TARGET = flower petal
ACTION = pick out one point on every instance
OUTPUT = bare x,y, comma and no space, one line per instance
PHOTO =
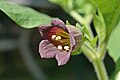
44,29
72,42
47,49
77,34
59,23
62,58
74,31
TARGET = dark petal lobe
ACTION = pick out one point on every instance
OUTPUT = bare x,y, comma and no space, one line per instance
44,29
76,33
72,42
59,23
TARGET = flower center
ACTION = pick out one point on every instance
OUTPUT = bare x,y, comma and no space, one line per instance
59,38
66,48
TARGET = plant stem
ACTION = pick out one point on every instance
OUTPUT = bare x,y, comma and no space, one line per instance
82,21
96,61
77,17
102,50
100,69
88,51
95,58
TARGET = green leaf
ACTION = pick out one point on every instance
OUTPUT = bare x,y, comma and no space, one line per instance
117,77
100,27
114,49
114,43
116,72
111,12
24,16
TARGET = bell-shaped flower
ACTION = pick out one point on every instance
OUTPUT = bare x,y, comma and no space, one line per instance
59,41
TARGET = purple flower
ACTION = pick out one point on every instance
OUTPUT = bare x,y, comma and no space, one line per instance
59,41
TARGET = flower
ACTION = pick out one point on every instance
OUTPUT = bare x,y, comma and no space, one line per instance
59,41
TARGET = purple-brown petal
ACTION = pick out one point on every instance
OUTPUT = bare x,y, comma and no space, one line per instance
44,30
76,33
47,49
59,23
72,42
62,58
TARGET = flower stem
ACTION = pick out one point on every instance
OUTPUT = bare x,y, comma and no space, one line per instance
96,61
77,17
102,50
100,69
88,51
81,21
95,57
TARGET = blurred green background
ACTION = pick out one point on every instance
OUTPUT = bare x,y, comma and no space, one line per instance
19,56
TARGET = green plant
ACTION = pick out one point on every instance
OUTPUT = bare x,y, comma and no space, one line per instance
105,15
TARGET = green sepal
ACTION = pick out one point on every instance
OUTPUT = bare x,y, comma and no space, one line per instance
67,22
93,42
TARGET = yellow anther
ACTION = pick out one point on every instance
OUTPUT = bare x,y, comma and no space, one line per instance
66,48
59,47
53,36
58,38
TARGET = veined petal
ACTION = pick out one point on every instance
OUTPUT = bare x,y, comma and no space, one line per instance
44,30
47,49
62,58
59,41
72,41
77,34
74,31
59,23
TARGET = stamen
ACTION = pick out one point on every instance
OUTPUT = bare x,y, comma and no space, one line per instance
59,47
53,36
58,38
61,41
66,48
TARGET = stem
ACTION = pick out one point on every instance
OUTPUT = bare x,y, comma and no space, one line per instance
77,17
95,58
88,51
96,61
102,50
82,21
100,69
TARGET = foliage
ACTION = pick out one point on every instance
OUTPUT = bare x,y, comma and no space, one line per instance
114,48
110,10
100,26
105,19
113,44
24,16
105,15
